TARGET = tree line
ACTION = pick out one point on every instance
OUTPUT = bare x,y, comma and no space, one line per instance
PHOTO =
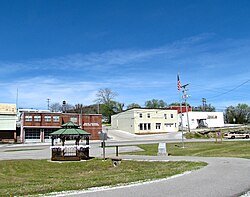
106,105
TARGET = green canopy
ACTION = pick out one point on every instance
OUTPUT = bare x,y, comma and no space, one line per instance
70,129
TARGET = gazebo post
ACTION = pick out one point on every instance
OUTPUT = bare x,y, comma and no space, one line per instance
63,140
52,141
87,140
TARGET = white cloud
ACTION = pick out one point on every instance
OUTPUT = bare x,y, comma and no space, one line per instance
210,66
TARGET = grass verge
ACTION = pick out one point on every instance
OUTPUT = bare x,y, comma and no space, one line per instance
203,149
26,177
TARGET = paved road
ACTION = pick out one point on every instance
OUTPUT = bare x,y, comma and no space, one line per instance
222,177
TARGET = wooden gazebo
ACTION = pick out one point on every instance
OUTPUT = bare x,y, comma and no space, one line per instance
76,152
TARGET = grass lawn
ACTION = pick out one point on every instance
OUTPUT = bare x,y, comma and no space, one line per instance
203,149
24,177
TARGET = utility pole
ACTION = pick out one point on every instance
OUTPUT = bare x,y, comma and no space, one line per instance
185,99
48,102
204,104
179,89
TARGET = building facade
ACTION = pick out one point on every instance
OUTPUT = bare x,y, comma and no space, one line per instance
182,109
8,123
146,121
36,126
202,119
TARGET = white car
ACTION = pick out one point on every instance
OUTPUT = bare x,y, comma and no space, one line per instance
236,134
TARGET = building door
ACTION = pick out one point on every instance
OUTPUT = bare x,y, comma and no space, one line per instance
169,127
202,123
32,135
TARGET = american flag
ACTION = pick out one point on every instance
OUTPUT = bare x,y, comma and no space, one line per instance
178,82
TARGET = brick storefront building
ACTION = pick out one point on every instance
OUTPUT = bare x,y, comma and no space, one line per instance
37,126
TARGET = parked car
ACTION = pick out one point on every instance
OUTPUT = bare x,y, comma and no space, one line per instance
236,134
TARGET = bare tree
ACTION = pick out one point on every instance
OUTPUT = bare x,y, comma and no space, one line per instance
108,105
105,96
56,107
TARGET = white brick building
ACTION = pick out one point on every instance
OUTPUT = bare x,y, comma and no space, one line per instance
146,121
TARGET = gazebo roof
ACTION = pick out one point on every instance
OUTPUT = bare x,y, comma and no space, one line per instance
70,129
70,125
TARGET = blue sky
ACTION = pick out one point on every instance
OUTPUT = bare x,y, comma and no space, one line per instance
68,50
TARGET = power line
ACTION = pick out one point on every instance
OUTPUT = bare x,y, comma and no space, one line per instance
230,89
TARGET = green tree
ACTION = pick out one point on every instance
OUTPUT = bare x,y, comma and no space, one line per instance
239,114
133,105
154,103
108,106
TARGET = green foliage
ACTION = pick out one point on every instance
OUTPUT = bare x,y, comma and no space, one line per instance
238,115
133,105
108,106
154,103
26,177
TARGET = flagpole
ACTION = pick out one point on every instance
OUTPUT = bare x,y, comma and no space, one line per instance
179,89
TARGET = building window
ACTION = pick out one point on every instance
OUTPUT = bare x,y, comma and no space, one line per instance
28,118
140,115
47,118
158,125
73,119
175,125
141,126
148,115
145,126
165,116
37,118
149,126
56,118
172,115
